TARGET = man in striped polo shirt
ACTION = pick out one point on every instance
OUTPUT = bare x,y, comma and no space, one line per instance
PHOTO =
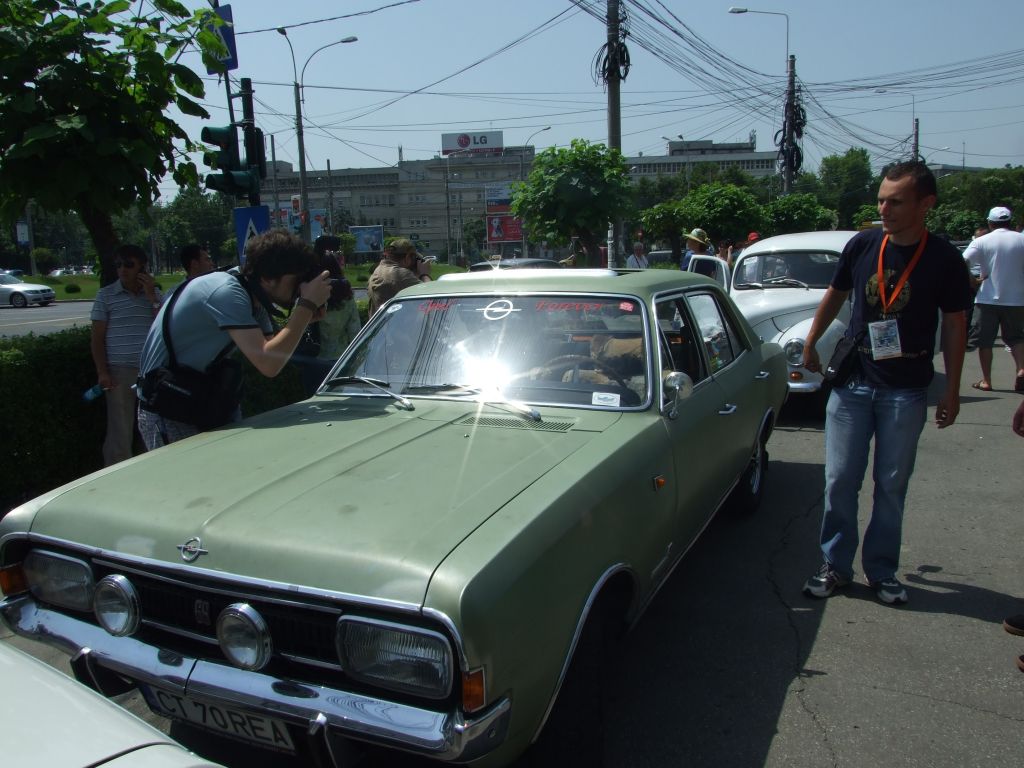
121,316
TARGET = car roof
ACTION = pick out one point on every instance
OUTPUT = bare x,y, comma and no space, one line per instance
514,264
632,282
831,240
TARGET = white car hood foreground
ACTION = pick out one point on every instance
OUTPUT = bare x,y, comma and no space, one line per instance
48,719
784,307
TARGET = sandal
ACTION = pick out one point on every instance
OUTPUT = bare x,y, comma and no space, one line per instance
987,387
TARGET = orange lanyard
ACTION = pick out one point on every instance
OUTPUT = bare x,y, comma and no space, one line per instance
903,278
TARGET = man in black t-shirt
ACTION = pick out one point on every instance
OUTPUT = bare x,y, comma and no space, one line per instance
900,279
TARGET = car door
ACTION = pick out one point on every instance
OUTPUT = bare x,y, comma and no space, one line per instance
693,425
737,371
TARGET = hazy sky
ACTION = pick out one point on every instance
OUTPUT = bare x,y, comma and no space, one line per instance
866,69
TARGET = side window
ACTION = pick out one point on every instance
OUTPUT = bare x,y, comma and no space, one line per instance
720,338
680,350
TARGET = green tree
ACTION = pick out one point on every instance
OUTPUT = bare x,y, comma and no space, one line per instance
797,213
955,222
574,192
864,215
724,211
85,94
45,260
666,221
847,183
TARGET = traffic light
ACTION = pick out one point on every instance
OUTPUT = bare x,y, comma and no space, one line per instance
233,178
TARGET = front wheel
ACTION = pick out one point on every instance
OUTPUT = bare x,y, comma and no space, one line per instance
19,301
746,497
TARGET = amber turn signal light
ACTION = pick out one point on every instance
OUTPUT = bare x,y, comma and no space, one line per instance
12,580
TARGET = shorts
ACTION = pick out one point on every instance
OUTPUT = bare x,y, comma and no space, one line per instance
1009,320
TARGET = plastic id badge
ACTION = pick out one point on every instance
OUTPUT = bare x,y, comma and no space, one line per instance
885,339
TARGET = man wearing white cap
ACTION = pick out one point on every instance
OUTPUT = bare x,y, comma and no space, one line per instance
999,257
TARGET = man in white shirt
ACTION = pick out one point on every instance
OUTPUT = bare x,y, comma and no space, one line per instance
999,257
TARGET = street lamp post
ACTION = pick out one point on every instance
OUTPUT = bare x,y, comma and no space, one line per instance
734,9
522,176
297,82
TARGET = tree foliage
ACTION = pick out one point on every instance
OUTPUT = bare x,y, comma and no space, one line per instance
846,183
84,96
798,212
573,192
724,211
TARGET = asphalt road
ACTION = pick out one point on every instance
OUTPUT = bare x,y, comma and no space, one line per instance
733,666
59,316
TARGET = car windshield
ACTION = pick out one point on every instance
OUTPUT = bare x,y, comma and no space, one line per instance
8,280
586,351
785,269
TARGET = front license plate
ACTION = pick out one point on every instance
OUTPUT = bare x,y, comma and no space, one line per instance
255,729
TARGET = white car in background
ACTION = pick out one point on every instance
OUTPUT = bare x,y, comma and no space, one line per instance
48,719
777,283
20,294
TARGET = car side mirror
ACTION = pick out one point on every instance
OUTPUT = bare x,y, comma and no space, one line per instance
678,387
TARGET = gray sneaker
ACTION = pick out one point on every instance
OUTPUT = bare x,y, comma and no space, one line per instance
825,582
890,591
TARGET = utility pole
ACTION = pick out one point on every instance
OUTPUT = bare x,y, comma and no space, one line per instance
330,199
788,140
612,77
915,147
275,217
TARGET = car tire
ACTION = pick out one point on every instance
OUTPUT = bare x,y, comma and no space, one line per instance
45,303
19,301
746,496
573,732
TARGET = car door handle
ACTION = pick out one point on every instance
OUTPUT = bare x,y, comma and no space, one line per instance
728,410
762,375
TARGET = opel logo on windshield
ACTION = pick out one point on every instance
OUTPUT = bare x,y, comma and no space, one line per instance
192,549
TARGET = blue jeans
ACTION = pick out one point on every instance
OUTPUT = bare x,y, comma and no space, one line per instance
895,417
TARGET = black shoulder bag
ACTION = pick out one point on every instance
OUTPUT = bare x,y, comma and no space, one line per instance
206,399
844,361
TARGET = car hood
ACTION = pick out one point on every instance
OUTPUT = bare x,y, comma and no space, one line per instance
783,305
345,494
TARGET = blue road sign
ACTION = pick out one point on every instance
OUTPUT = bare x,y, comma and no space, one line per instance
226,32
249,222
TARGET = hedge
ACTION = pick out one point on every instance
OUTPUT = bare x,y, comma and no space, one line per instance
51,435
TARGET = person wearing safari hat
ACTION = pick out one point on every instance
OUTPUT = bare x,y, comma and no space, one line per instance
401,266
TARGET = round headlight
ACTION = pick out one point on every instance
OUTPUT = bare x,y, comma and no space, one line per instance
244,636
116,605
794,351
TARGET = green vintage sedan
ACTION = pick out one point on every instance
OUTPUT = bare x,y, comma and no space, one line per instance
432,552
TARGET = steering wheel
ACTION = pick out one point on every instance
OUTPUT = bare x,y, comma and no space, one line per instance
566,361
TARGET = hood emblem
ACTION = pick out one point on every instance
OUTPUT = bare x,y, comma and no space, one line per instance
192,549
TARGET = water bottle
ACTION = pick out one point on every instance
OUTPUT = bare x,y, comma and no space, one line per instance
92,393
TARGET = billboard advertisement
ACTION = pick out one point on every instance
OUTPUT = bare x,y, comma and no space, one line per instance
499,198
472,142
369,239
504,229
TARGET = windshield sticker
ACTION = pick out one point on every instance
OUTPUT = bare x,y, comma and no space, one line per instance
627,306
498,309
568,306
435,305
605,398
393,308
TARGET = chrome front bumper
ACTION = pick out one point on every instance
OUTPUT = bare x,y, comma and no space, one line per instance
323,713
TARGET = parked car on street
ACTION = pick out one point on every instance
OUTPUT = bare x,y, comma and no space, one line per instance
531,263
20,294
432,552
90,731
778,283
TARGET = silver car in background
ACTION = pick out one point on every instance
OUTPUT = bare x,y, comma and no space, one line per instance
778,283
20,294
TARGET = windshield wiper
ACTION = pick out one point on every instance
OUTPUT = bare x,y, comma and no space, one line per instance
462,389
786,281
402,402
465,389
749,285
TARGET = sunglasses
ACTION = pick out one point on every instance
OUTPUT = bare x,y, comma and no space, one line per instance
126,263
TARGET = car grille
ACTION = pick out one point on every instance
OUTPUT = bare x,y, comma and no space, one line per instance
187,612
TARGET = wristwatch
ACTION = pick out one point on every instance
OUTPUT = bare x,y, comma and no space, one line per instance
304,302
